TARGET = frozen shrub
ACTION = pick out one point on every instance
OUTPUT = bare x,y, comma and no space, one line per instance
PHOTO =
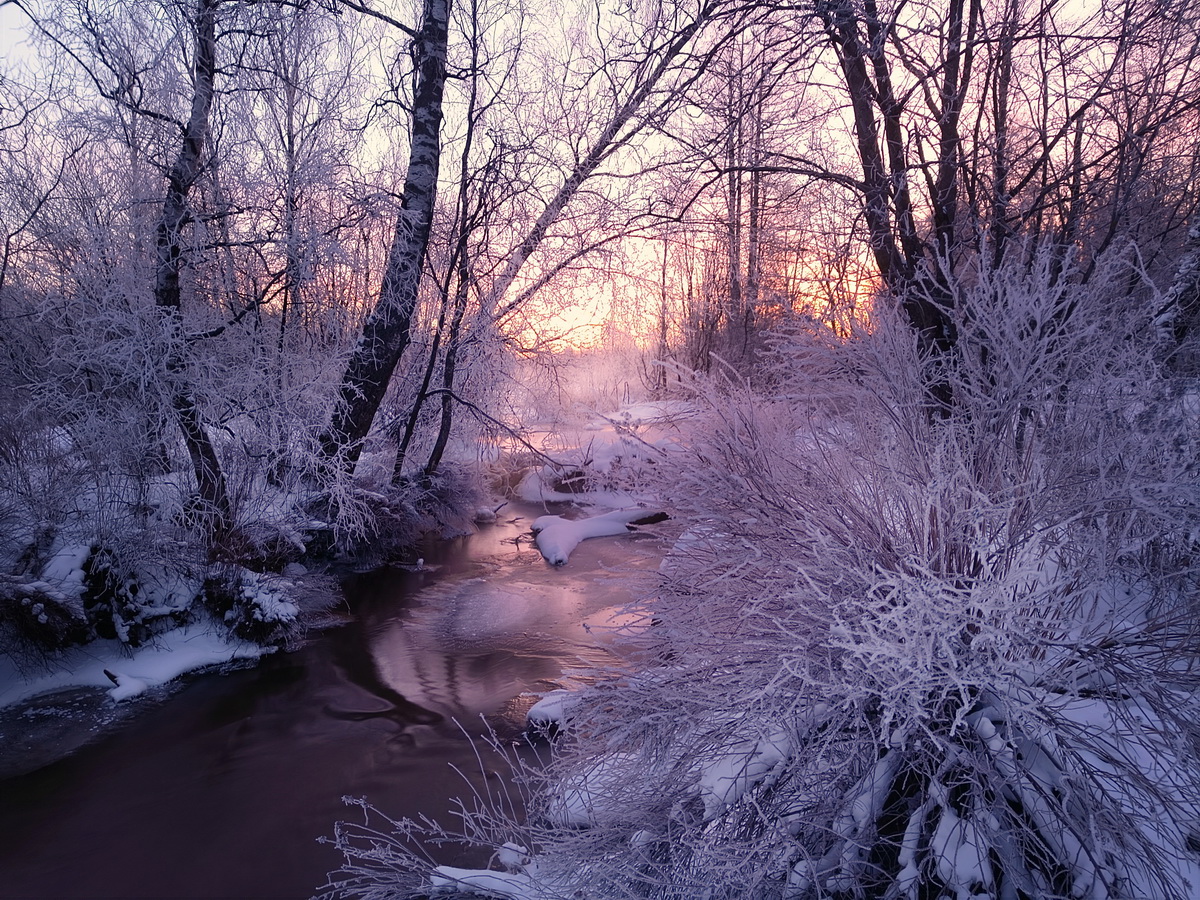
254,606
133,602
264,546
36,620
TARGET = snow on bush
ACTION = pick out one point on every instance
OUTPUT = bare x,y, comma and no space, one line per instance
133,600
902,653
36,620
86,591
254,606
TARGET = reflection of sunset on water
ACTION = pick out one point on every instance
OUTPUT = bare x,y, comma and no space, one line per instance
470,643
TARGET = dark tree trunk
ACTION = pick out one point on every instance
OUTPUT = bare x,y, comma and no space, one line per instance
449,368
386,331
215,509
912,273
414,414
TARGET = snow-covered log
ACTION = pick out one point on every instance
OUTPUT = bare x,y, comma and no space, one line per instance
556,537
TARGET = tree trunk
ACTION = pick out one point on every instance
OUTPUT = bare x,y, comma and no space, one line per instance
449,368
913,275
216,513
386,331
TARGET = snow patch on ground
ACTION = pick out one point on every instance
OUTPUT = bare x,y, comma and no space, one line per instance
535,488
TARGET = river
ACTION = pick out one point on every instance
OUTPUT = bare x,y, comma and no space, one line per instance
222,788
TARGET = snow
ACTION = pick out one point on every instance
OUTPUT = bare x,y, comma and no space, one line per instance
727,777
512,855
535,489
960,848
268,597
553,709
515,885
587,799
126,685
64,571
169,656
556,537
1136,739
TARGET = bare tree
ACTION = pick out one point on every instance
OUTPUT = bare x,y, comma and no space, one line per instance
126,76
648,78
386,331
978,127
206,464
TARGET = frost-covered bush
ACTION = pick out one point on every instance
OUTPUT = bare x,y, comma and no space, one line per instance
254,606
36,620
82,591
132,600
902,654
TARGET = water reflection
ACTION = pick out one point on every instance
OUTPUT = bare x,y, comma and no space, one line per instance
465,649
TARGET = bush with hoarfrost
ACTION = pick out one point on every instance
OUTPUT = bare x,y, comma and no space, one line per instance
254,606
900,654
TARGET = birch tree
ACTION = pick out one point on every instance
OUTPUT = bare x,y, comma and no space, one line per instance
386,332
663,54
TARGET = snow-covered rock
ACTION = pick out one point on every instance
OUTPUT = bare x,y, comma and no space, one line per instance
553,710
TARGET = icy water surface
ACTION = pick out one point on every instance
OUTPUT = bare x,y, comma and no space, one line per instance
222,789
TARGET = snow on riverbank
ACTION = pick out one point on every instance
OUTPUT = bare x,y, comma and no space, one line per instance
607,460
170,655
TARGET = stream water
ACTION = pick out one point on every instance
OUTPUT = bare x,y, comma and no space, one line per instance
222,789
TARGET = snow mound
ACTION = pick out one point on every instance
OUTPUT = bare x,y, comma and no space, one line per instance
552,710
556,537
